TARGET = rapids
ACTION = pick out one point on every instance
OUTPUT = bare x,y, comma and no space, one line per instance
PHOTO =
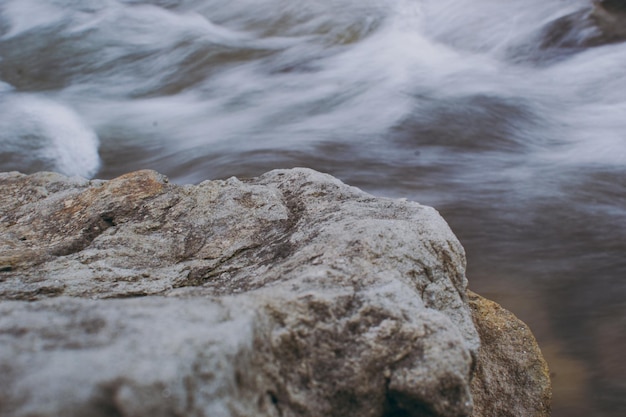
509,117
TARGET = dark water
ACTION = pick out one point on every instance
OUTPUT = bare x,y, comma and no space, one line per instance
509,117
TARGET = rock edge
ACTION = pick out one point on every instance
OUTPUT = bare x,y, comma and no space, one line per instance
300,296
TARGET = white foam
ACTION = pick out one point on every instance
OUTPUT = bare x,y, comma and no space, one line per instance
37,130
4,87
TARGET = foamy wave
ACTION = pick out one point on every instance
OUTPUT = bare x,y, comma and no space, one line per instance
38,133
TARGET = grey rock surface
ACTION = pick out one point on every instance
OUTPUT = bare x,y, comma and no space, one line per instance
291,294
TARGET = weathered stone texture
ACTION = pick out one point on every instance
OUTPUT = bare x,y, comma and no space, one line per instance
511,378
291,294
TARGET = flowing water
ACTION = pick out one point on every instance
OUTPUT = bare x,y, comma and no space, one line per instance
507,116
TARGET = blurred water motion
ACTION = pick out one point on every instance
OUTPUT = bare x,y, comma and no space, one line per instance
509,117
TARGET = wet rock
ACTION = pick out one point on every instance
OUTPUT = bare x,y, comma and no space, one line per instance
599,23
610,17
291,294
511,378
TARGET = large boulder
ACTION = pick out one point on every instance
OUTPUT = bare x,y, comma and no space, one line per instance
291,294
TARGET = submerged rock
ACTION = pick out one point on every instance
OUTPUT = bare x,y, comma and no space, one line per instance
597,24
291,294
610,18
602,23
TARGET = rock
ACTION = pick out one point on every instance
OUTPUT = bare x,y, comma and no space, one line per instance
601,23
610,17
291,294
511,378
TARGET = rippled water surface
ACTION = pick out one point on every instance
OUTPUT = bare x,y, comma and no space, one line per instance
508,116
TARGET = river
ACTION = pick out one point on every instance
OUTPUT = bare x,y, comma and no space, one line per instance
507,116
